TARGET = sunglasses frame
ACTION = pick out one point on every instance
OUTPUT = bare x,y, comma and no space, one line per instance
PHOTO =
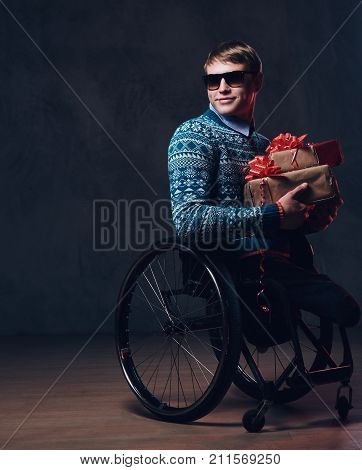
225,77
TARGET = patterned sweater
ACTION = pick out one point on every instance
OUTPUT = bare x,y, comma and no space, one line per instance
206,159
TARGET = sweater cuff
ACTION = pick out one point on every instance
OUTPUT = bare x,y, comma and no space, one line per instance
270,218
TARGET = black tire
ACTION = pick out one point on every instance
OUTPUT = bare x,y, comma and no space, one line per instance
172,333
252,422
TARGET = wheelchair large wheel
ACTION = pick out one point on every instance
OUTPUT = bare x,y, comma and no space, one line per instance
315,339
166,337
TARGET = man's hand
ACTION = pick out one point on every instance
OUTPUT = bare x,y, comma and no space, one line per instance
295,212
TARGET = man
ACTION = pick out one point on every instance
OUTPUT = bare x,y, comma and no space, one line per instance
207,156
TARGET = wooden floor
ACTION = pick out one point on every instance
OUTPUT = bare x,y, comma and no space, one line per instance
91,406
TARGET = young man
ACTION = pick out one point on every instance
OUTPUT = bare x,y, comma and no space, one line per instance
207,156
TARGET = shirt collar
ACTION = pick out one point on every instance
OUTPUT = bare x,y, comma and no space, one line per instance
239,125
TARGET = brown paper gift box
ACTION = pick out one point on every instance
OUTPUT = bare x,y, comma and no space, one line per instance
322,186
323,153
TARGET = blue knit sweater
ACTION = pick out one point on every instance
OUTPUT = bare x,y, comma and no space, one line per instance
206,159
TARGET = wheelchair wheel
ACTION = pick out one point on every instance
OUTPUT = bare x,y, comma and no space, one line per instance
315,338
165,335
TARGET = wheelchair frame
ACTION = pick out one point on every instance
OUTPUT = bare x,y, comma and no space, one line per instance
225,340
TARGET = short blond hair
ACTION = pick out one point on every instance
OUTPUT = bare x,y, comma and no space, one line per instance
236,52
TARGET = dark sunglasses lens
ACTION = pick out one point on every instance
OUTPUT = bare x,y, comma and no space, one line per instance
235,79
212,81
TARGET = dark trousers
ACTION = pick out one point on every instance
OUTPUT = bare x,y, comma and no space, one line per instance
308,289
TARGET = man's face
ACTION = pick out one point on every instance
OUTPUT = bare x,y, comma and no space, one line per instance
230,101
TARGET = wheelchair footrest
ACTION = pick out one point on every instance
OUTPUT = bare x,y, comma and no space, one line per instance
324,376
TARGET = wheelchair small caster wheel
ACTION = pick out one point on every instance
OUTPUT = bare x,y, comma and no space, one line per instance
343,408
252,422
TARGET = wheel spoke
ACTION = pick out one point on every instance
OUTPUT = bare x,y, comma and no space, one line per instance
193,375
150,306
158,366
246,363
199,363
308,347
179,383
150,355
280,361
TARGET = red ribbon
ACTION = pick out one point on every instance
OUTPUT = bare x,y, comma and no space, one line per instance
285,142
263,165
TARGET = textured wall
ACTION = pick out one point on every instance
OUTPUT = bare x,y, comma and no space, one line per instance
136,65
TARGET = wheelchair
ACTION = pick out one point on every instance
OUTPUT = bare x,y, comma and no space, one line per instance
188,325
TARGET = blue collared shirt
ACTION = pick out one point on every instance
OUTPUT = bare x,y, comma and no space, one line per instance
239,125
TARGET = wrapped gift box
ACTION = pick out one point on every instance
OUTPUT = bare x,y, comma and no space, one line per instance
269,189
323,153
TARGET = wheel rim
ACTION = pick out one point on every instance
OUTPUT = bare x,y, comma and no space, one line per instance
164,330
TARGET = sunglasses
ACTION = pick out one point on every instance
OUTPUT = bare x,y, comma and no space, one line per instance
234,79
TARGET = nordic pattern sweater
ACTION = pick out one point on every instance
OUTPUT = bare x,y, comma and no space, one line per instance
206,159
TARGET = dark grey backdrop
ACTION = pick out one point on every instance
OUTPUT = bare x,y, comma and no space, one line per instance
136,65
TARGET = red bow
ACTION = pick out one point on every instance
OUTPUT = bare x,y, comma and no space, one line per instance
285,142
262,166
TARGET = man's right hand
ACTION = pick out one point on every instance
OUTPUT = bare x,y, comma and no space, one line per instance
295,212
